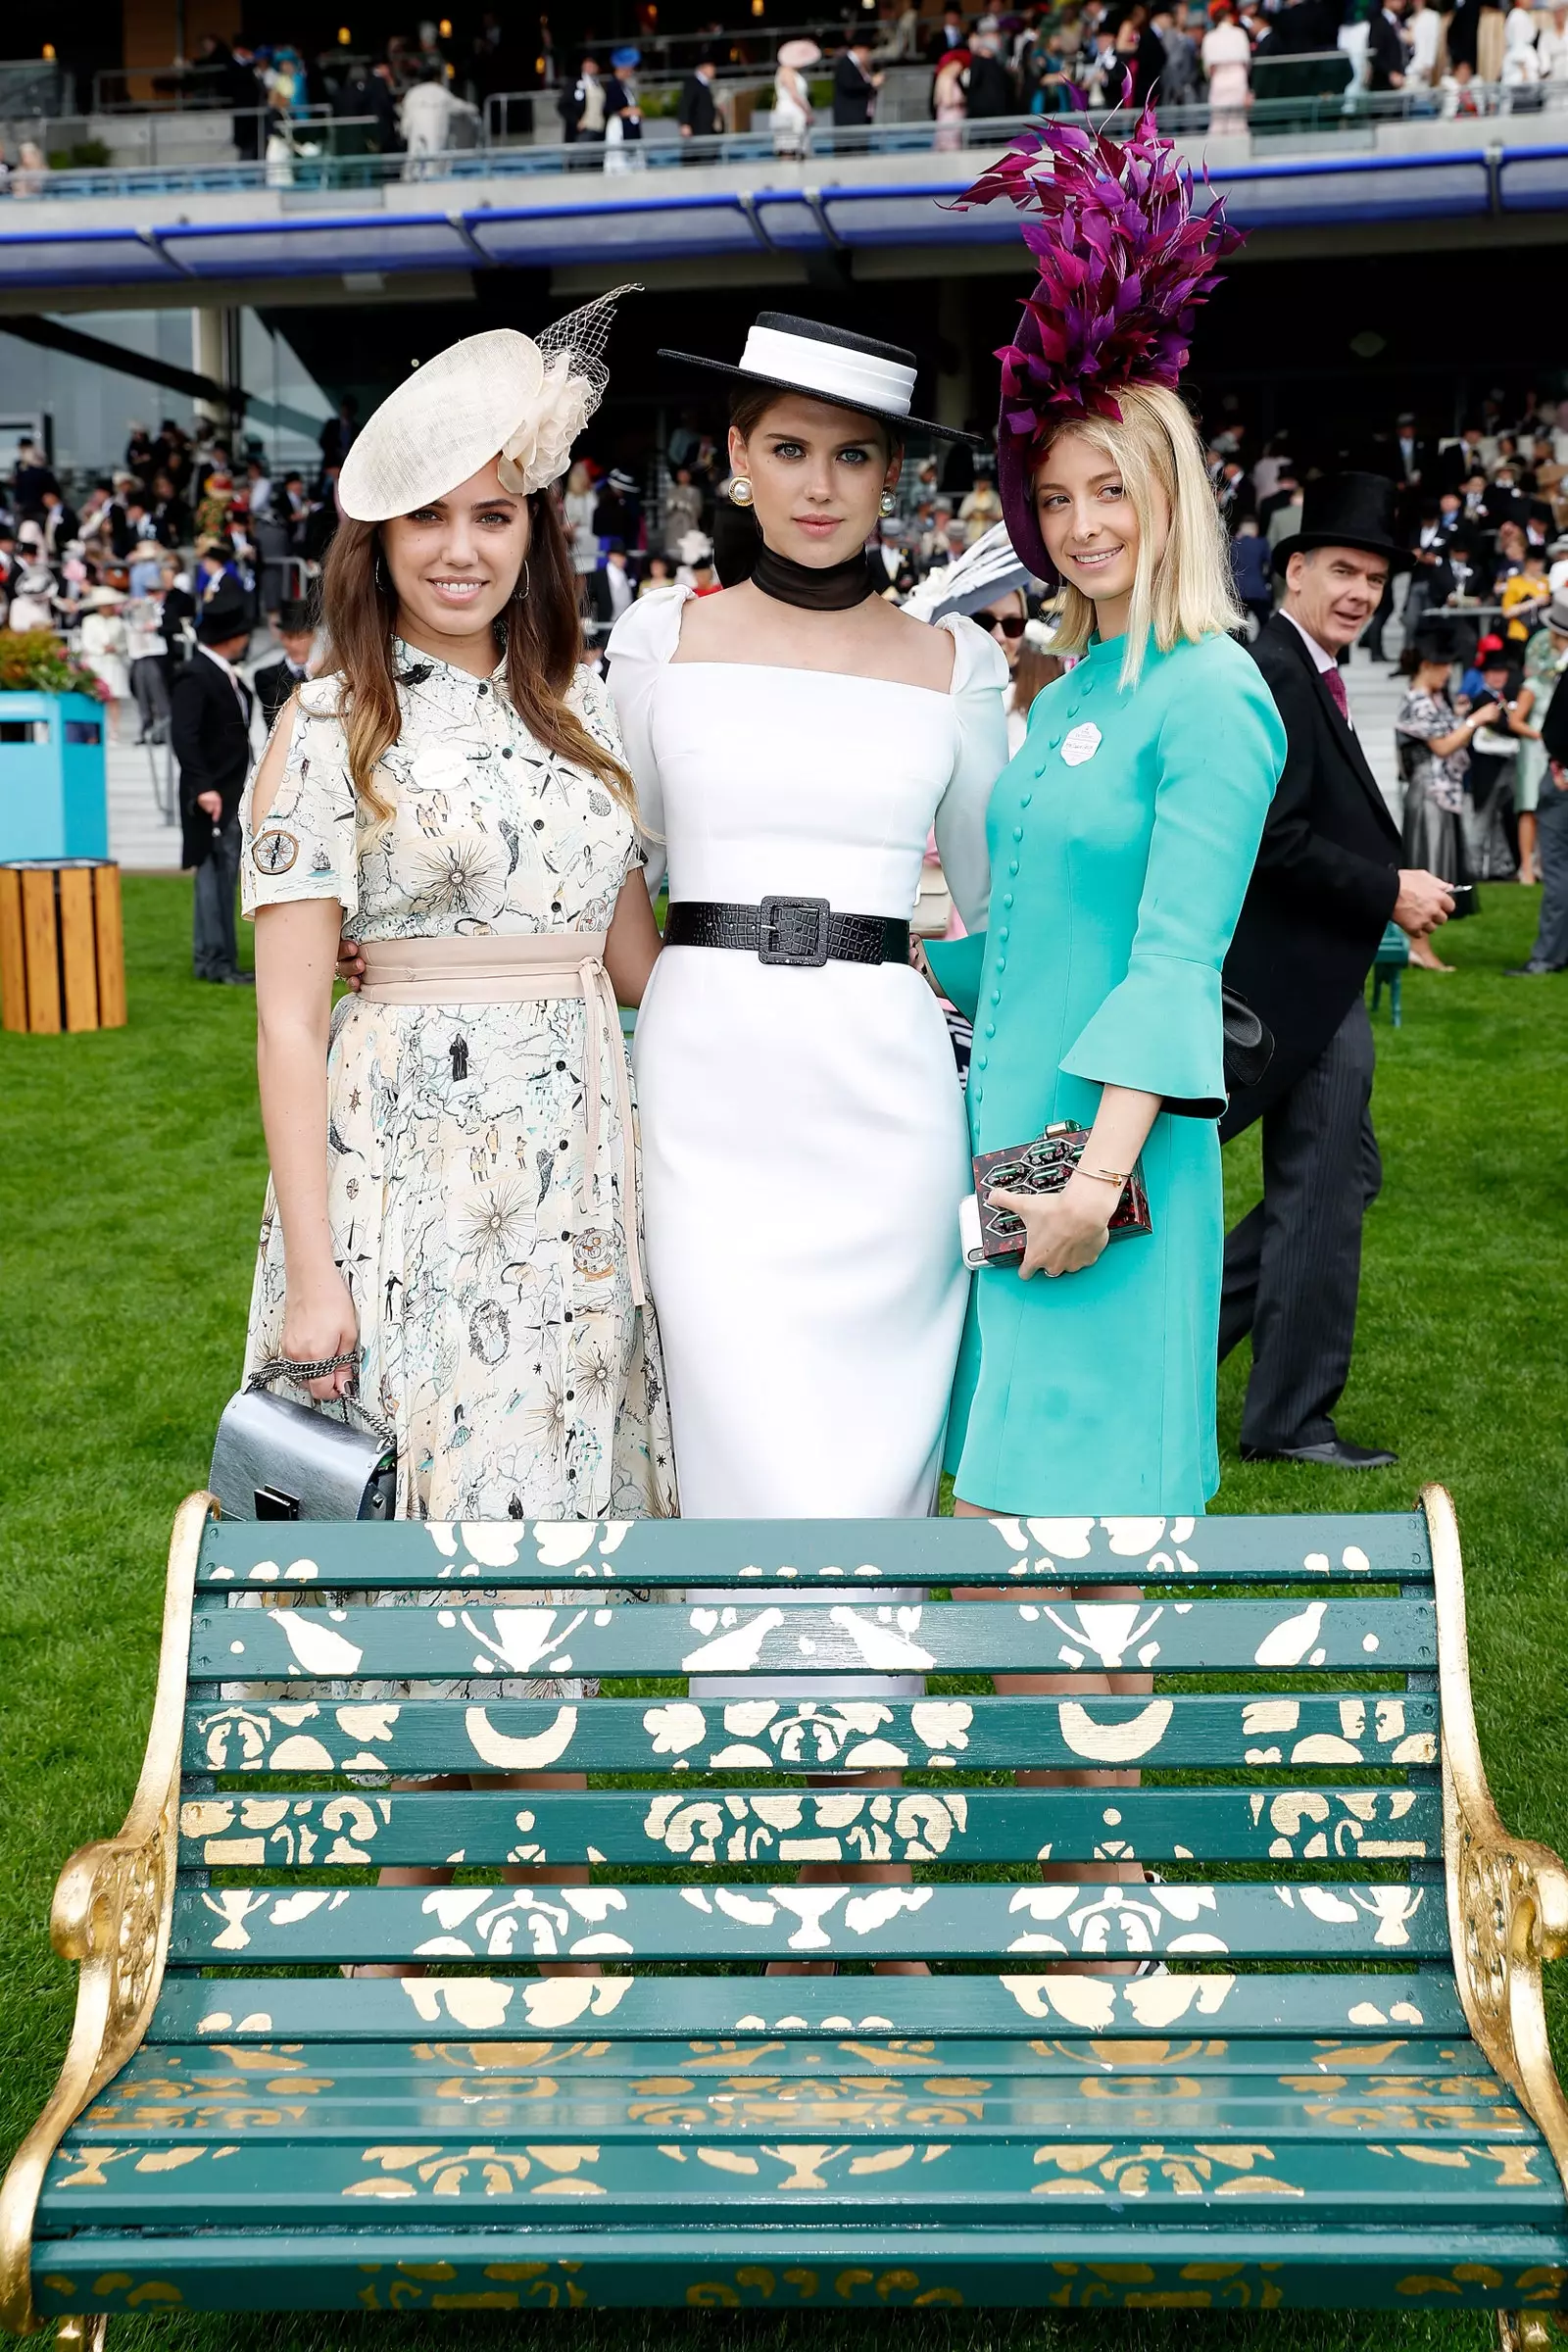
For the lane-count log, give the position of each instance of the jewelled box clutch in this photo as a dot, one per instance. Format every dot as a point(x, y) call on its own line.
point(994, 1236)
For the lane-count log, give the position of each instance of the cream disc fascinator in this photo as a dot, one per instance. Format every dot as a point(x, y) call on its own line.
point(501, 394)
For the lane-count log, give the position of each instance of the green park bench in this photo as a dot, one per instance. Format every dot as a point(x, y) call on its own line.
point(1304, 2065)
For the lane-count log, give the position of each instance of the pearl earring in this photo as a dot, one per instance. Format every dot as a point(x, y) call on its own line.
point(888, 503)
point(741, 493)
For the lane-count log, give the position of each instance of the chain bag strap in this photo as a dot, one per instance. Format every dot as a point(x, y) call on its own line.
point(279, 1458)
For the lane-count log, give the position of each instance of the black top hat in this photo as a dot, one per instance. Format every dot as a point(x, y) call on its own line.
point(1347, 510)
point(294, 616)
point(223, 616)
point(1434, 642)
point(827, 363)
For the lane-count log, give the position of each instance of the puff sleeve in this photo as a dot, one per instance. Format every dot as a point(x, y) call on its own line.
point(979, 682)
point(306, 846)
point(642, 643)
point(1219, 754)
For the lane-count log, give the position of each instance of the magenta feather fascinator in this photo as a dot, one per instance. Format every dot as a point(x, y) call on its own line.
point(1124, 262)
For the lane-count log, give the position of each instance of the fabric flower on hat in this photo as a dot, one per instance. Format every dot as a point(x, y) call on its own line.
point(539, 451)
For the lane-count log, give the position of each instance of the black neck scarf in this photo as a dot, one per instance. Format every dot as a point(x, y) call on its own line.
point(834, 588)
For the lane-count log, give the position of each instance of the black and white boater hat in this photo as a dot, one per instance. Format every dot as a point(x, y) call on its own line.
point(826, 362)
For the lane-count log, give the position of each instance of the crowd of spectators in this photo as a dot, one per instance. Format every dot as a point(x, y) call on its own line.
point(1086, 56)
point(126, 574)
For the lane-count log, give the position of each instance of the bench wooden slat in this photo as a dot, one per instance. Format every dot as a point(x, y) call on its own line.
point(203, 2010)
point(841, 1734)
point(1245, 2261)
point(292, 1829)
point(306, 2110)
point(1388, 1548)
point(771, 1638)
point(1337, 2177)
point(302, 1925)
point(418, 2067)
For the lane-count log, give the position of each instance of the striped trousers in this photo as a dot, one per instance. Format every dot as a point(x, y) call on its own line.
point(1293, 1266)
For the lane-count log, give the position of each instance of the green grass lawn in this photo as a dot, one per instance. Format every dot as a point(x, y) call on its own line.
point(131, 1187)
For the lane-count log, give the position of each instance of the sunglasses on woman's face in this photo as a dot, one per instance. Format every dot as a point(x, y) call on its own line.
point(1011, 624)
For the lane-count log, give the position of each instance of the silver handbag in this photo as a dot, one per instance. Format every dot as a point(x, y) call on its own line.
point(273, 1458)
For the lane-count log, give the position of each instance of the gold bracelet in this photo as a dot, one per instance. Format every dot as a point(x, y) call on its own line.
point(1104, 1176)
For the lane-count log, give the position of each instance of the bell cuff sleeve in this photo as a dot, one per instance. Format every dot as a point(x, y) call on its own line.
point(1159, 1030)
point(1220, 752)
point(959, 965)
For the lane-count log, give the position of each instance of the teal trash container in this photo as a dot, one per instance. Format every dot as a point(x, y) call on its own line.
point(53, 794)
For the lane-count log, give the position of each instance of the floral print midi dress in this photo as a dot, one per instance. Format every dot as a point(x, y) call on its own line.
point(487, 1264)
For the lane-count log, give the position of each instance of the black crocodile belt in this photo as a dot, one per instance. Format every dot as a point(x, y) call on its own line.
point(801, 933)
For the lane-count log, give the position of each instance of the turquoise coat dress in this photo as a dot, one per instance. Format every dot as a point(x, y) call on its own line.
point(1122, 838)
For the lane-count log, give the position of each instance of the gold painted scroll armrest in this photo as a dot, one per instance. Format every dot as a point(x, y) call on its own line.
point(110, 1914)
point(1508, 1896)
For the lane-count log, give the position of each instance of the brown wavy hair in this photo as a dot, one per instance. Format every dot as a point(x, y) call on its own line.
point(543, 638)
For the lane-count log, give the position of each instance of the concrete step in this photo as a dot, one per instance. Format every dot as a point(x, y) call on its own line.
point(139, 838)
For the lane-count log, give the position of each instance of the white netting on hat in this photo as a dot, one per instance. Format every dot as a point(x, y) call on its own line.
point(584, 337)
point(576, 379)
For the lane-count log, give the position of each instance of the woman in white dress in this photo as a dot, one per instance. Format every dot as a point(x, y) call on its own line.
point(793, 739)
point(1227, 56)
point(792, 100)
point(102, 642)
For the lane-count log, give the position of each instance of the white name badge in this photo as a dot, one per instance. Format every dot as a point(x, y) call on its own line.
point(1081, 744)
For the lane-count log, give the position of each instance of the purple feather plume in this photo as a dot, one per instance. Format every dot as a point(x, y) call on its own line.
point(1124, 262)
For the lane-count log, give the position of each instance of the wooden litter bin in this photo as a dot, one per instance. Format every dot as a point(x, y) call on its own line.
point(61, 947)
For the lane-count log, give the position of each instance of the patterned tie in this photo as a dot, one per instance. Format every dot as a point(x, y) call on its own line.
point(1335, 682)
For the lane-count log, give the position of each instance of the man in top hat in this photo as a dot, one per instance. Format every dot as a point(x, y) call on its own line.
point(211, 732)
point(275, 681)
point(1328, 880)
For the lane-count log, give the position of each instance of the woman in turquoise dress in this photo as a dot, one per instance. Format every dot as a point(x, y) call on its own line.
point(1122, 838)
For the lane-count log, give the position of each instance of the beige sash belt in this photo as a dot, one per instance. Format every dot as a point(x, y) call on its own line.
point(523, 968)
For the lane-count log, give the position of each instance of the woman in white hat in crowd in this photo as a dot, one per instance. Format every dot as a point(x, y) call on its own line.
point(793, 111)
point(102, 642)
point(453, 1224)
point(804, 1135)
point(33, 604)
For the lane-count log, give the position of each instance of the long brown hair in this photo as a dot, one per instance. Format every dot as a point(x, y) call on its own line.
point(543, 649)
point(1033, 672)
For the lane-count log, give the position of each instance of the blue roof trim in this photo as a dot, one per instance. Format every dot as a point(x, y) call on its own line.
point(127, 235)
point(292, 225)
point(1285, 191)
point(724, 200)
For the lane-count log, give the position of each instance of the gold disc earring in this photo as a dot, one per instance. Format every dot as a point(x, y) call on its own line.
point(740, 491)
point(888, 503)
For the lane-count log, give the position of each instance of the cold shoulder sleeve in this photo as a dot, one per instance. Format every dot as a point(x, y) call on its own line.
point(643, 642)
point(1220, 750)
point(306, 846)
point(980, 753)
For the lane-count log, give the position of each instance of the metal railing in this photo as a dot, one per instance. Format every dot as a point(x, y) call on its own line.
point(321, 149)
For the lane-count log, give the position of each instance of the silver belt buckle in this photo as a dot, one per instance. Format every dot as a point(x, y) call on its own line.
point(793, 932)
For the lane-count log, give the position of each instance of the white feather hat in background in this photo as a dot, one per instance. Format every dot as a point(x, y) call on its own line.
point(500, 394)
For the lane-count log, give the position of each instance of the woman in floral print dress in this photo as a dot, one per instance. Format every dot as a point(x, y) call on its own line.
point(456, 1209)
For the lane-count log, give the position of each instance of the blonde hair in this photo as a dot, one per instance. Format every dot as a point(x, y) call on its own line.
point(1182, 591)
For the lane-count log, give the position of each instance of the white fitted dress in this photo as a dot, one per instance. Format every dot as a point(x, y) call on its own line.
point(805, 1148)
